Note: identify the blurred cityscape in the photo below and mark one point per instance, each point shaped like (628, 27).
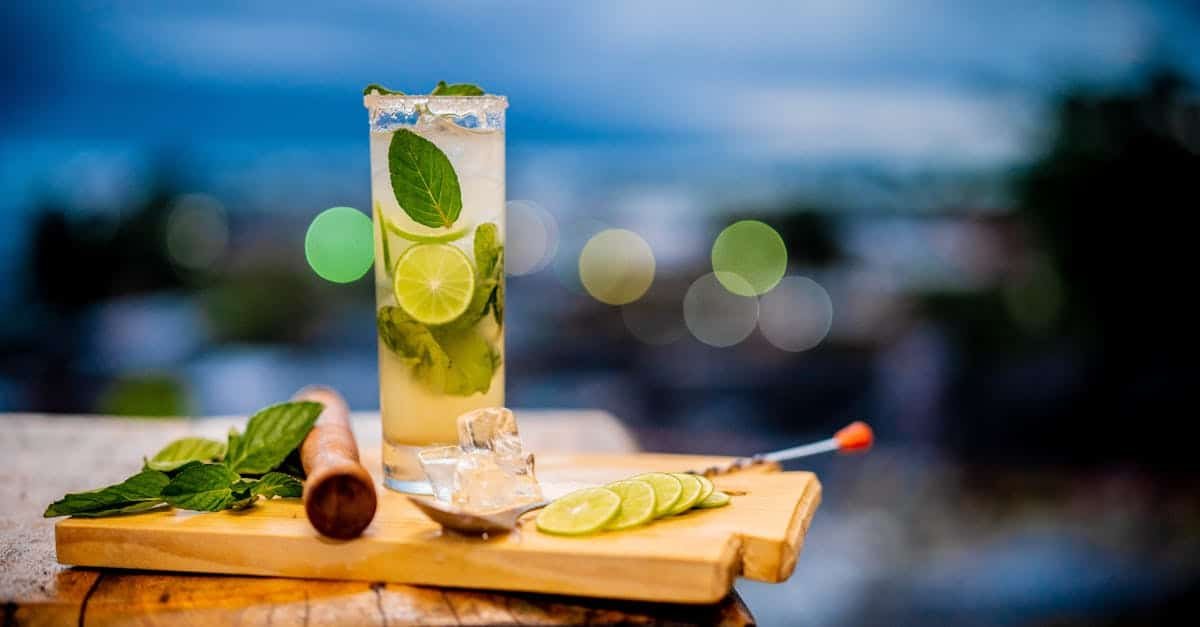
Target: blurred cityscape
(994, 198)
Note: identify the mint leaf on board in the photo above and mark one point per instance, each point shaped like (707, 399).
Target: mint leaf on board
(135, 508)
(423, 180)
(146, 486)
(184, 450)
(277, 484)
(271, 434)
(456, 89)
(202, 487)
(381, 90)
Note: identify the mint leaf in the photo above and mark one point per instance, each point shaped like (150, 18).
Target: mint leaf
(202, 487)
(489, 271)
(487, 248)
(423, 180)
(381, 90)
(456, 89)
(135, 508)
(473, 361)
(270, 436)
(414, 343)
(447, 360)
(184, 450)
(146, 486)
(277, 484)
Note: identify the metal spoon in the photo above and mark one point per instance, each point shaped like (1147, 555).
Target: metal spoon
(454, 519)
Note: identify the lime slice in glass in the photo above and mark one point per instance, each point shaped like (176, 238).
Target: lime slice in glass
(689, 496)
(637, 504)
(706, 488)
(716, 499)
(667, 490)
(580, 512)
(433, 283)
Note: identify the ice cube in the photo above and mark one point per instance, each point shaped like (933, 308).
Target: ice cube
(483, 482)
(439, 463)
(490, 428)
(494, 472)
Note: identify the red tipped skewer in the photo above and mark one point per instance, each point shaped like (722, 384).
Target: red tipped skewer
(856, 437)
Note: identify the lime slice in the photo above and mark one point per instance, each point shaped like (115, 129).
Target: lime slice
(716, 499)
(690, 495)
(580, 512)
(706, 486)
(433, 283)
(637, 504)
(666, 491)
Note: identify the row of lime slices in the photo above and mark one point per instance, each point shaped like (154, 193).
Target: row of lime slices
(629, 503)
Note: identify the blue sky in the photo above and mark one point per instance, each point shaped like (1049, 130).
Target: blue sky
(885, 80)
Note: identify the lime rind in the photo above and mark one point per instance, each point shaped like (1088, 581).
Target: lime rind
(707, 487)
(690, 495)
(716, 499)
(579, 513)
(667, 490)
(637, 504)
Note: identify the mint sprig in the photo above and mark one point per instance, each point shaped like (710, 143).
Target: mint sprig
(206, 475)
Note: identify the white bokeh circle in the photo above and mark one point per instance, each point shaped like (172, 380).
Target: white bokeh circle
(796, 315)
(717, 316)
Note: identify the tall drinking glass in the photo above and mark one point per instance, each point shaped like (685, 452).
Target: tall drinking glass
(437, 186)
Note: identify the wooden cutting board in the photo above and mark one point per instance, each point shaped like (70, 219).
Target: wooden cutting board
(691, 558)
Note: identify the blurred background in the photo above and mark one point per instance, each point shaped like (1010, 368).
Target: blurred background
(984, 207)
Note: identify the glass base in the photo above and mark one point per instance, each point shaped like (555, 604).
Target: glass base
(401, 470)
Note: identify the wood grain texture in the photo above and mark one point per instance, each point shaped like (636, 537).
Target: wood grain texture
(691, 558)
(43, 457)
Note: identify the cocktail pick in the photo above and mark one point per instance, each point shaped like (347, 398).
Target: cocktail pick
(855, 437)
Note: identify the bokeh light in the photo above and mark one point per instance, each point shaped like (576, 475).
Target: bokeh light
(716, 314)
(616, 266)
(796, 315)
(752, 251)
(657, 317)
(531, 237)
(197, 232)
(340, 244)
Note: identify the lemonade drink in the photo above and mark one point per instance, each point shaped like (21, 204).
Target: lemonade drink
(437, 186)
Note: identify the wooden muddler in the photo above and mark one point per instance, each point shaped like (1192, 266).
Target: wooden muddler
(339, 494)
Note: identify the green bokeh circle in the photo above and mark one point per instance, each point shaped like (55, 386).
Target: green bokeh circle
(753, 251)
(340, 244)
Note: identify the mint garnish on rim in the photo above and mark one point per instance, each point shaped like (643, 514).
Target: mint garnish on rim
(456, 89)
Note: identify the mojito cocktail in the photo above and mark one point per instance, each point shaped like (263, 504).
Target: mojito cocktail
(437, 186)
